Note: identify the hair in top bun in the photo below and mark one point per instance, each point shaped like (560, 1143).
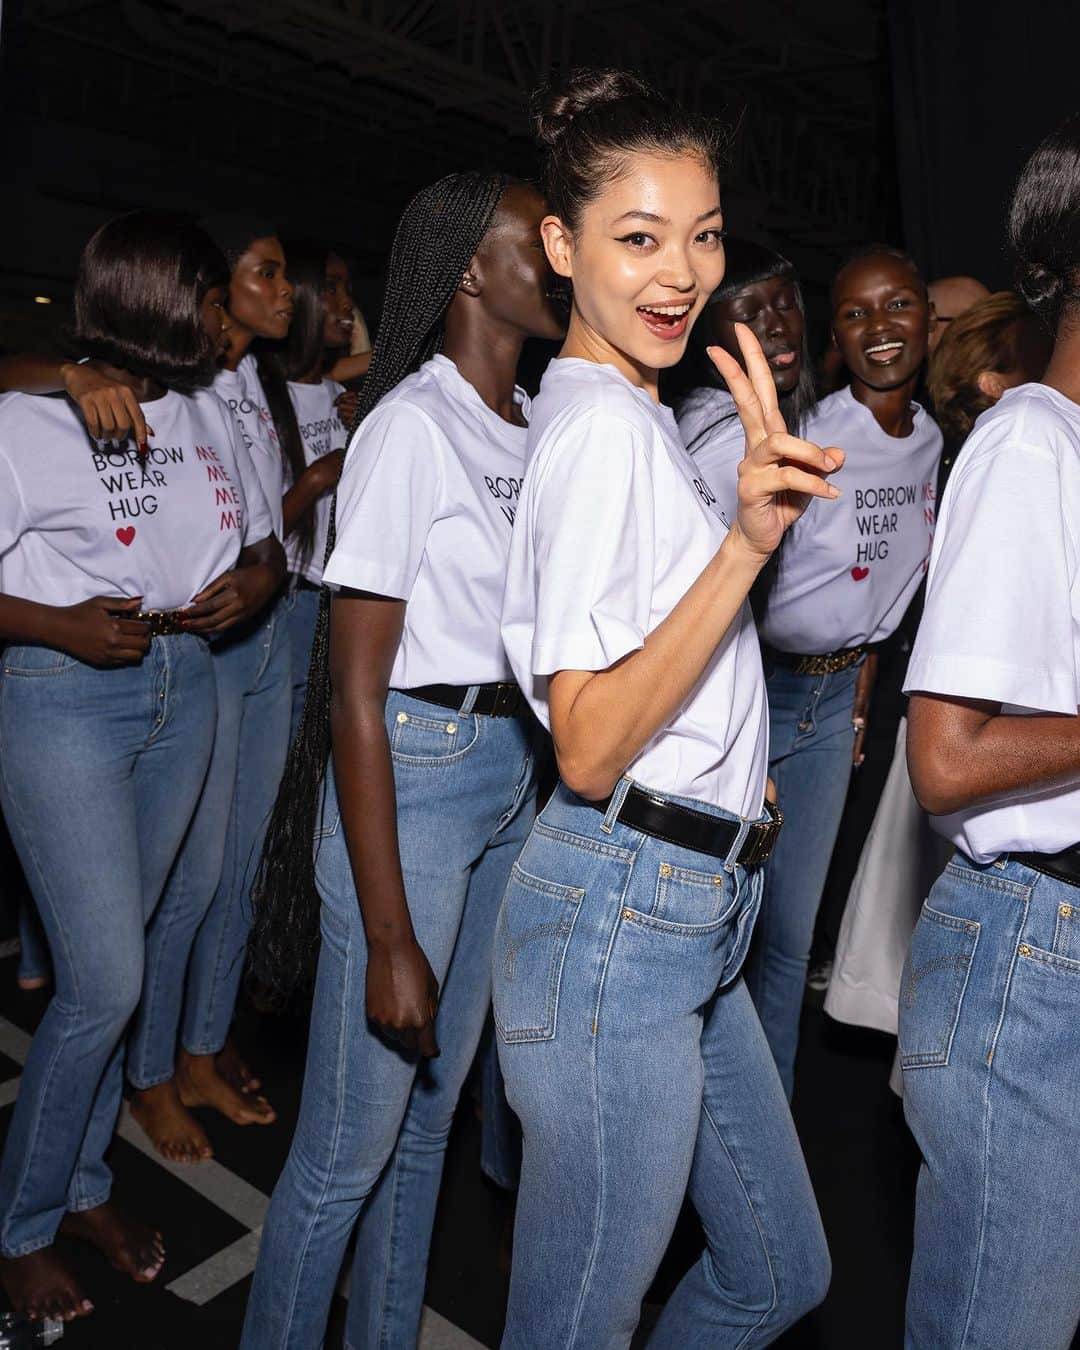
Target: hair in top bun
(588, 125)
(1044, 224)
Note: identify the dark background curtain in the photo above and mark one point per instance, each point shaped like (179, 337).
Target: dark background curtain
(976, 85)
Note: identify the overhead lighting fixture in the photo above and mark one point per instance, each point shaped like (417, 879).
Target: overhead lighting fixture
(42, 299)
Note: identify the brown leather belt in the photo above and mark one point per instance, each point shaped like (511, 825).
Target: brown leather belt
(162, 622)
(827, 663)
(678, 824)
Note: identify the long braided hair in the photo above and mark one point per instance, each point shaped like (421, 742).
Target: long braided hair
(437, 236)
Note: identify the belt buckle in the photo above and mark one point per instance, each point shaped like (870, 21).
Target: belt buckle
(762, 838)
(162, 622)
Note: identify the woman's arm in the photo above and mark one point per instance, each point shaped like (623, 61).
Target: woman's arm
(316, 480)
(239, 593)
(110, 409)
(602, 720)
(964, 751)
(94, 631)
(860, 712)
(402, 992)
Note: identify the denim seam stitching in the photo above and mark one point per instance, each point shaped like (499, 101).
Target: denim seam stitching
(318, 1209)
(43, 1095)
(757, 1224)
(1067, 964)
(1018, 889)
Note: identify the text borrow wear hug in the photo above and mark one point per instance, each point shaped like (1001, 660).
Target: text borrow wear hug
(463, 784)
(990, 998)
(629, 1047)
(846, 576)
(195, 945)
(100, 769)
(320, 431)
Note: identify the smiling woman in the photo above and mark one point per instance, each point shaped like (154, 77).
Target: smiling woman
(625, 620)
(845, 579)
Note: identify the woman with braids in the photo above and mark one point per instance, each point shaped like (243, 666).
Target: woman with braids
(631, 1051)
(118, 565)
(990, 996)
(312, 435)
(429, 790)
(760, 290)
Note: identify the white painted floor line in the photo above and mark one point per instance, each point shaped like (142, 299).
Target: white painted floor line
(233, 1195)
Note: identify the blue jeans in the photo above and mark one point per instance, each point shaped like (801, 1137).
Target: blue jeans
(195, 945)
(301, 611)
(464, 793)
(638, 1068)
(811, 741)
(34, 963)
(100, 771)
(990, 1049)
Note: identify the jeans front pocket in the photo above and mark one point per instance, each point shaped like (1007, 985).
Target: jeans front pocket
(36, 661)
(534, 929)
(419, 740)
(932, 986)
(692, 900)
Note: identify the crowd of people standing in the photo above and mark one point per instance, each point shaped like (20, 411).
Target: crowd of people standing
(289, 626)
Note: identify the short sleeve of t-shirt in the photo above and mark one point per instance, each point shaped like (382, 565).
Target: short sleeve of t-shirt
(388, 497)
(998, 623)
(593, 528)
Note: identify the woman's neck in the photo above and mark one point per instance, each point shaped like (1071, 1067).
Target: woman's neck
(240, 339)
(1063, 372)
(487, 355)
(585, 344)
(891, 408)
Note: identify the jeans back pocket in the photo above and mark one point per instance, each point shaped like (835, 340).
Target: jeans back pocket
(932, 986)
(534, 929)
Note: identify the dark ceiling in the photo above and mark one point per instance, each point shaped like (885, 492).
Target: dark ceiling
(327, 114)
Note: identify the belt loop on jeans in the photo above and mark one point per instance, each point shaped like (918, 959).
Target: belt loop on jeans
(733, 853)
(469, 700)
(615, 804)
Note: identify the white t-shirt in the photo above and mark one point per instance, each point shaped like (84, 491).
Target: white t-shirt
(425, 505)
(80, 518)
(611, 533)
(849, 567)
(321, 431)
(242, 390)
(1002, 617)
(712, 433)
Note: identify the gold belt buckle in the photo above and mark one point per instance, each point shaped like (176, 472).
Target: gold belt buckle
(163, 622)
(762, 837)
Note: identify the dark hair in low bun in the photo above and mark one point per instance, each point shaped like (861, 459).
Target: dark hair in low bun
(1044, 224)
(588, 125)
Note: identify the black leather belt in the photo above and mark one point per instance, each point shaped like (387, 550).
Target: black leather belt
(677, 824)
(827, 663)
(493, 700)
(1063, 866)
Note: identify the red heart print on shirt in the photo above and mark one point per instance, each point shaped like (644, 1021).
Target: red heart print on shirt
(857, 573)
(126, 534)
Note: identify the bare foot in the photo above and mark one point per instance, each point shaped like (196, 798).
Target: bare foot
(127, 1244)
(234, 1070)
(40, 1285)
(32, 982)
(172, 1129)
(201, 1084)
